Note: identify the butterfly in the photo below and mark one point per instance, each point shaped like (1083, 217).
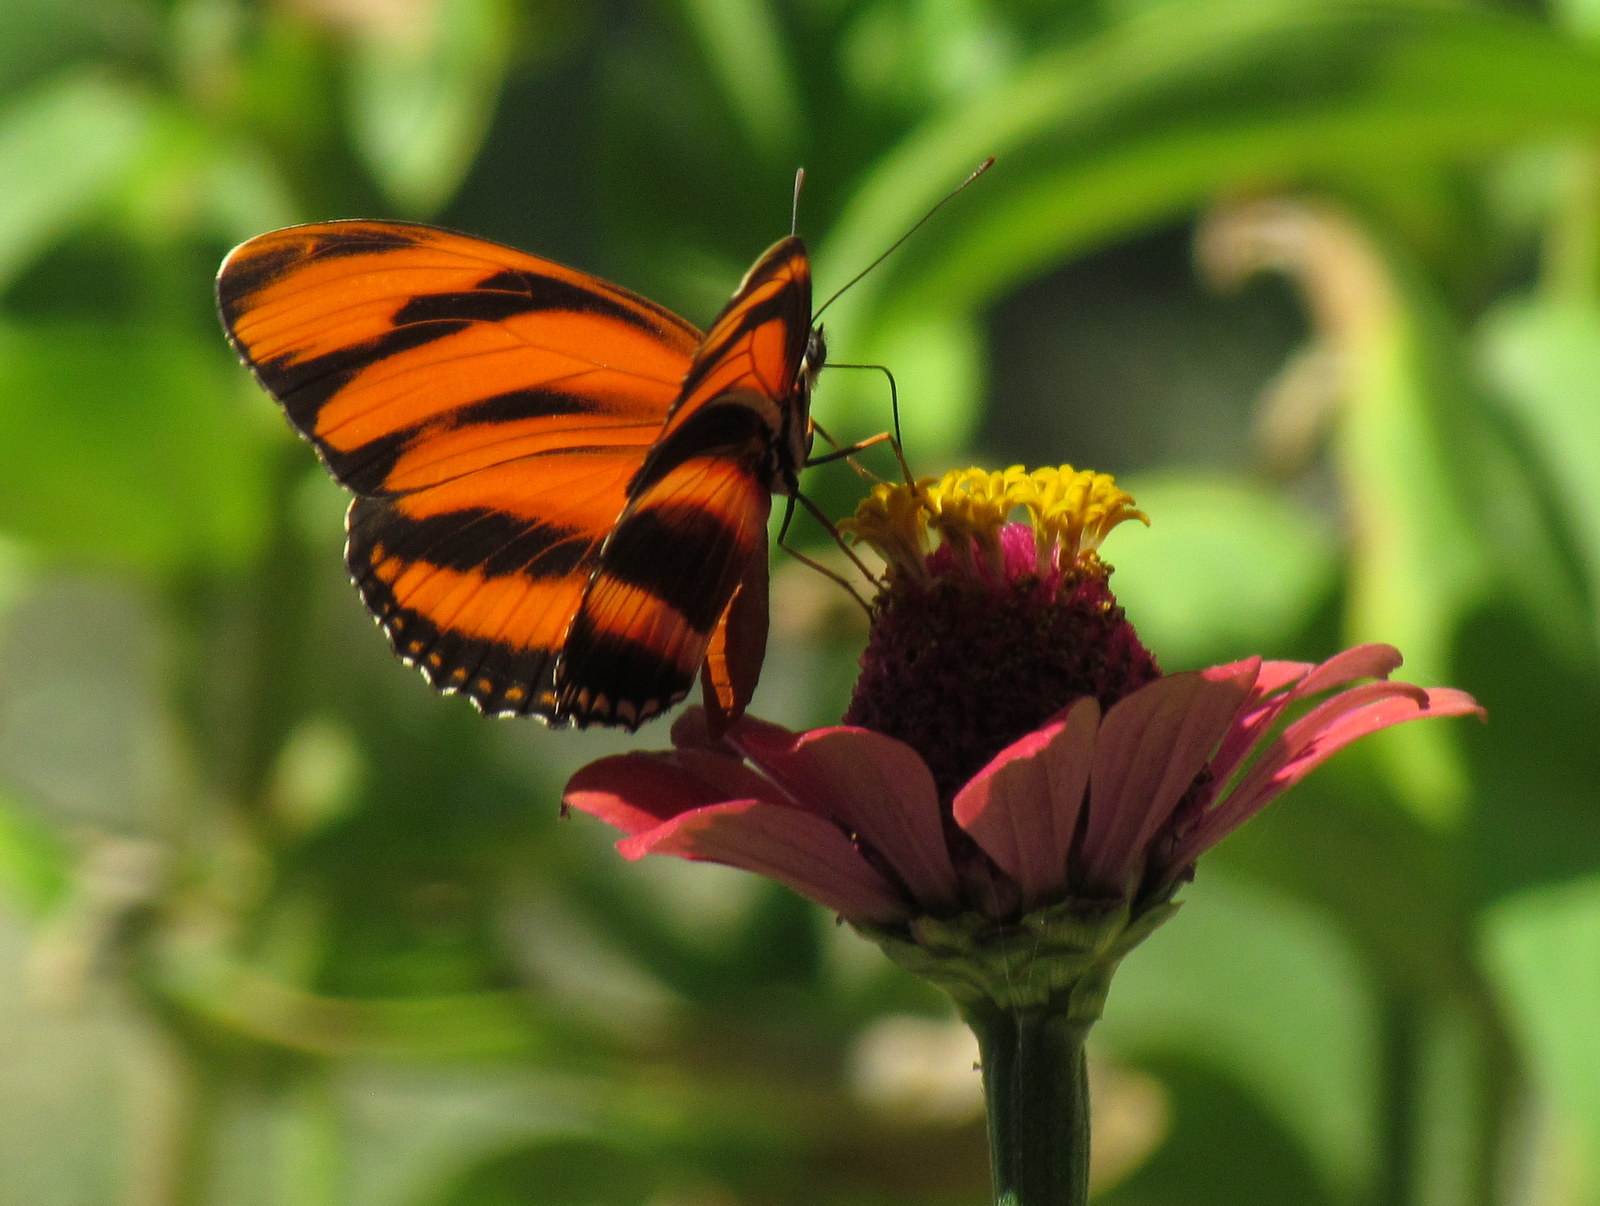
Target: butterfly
(561, 488)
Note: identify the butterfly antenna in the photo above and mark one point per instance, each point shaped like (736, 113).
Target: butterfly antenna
(794, 209)
(895, 246)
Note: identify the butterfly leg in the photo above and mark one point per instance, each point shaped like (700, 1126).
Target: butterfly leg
(894, 411)
(816, 511)
(842, 453)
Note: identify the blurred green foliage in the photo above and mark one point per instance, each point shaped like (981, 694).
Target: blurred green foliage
(279, 925)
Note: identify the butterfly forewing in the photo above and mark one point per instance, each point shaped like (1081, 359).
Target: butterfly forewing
(557, 481)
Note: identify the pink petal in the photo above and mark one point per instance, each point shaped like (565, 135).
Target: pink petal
(1362, 661)
(1295, 736)
(637, 791)
(1023, 807)
(1277, 675)
(1284, 683)
(795, 848)
(1260, 712)
(1151, 746)
(876, 787)
(692, 730)
(1312, 740)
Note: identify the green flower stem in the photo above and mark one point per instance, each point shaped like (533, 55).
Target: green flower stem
(1037, 1091)
(1030, 990)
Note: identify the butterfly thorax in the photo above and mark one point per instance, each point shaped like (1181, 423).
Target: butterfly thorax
(793, 447)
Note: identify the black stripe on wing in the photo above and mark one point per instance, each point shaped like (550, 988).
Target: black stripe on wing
(498, 677)
(510, 293)
(671, 551)
(719, 426)
(480, 539)
(268, 260)
(624, 682)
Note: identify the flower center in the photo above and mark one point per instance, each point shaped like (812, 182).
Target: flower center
(1071, 512)
(982, 637)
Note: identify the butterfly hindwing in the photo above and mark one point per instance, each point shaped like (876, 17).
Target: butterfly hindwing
(697, 510)
(557, 480)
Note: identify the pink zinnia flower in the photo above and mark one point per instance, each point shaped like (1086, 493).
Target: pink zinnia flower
(1092, 804)
(1018, 791)
(1014, 745)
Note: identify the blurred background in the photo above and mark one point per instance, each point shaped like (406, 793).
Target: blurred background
(1319, 282)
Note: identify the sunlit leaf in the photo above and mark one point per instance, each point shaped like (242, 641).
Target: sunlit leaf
(1404, 435)
(1162, 113)
(937, 361)
(1581, 15)
(128, 446)
(1225, 569)
(64, 148)
(422, 92)
(1543, 950)
(748, 57)
(910, 55)
(33, 860)
(1545, 358)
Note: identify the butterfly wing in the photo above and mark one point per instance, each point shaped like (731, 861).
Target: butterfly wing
(488, 408)
(738, 647)
(696, 514)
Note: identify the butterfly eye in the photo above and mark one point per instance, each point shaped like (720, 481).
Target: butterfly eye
(816, 355)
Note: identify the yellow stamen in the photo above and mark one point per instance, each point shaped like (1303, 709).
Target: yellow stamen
(893, 520)
(1074, 510)
(1071, 511)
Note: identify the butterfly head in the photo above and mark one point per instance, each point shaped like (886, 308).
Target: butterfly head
(816, 355)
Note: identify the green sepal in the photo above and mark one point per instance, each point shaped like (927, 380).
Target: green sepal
(1059, 958)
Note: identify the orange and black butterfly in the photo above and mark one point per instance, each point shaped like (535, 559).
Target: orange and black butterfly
(561, 488)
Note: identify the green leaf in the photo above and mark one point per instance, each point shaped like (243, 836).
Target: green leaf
(34, 861)
(422, 95)
(1402, 446)
(1409, 445)
(1227, 567)
(911, 56)
(1156, 116)
(561, 1171)
(130, 447)
(1580, 15)
(746, 53)
(38, 36)
(937, 360)
(64, 150)
(1264, 993)
(1543, 951)
(1545, 357)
